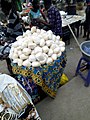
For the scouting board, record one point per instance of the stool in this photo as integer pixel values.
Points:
(81, 66)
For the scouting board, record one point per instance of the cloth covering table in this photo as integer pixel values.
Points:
(45, 76)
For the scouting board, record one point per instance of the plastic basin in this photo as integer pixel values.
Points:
(85, 49)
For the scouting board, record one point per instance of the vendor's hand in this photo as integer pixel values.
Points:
(41, 21)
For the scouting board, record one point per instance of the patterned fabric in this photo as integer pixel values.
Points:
(46, 76)
(87, 1)
(20, 105)
(23, 75)
(54, 18)
(14, 28)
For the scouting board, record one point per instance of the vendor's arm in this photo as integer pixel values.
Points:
(44, 22)
(43, 15)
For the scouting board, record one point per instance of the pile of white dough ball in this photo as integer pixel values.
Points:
(36, 47)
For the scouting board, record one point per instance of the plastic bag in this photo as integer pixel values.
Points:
(64, 79)
(17, 98)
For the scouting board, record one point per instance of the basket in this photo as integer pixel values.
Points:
(85, 49)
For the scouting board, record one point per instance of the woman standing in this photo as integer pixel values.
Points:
(54, 18)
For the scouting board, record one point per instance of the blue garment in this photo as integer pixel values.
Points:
(87, 1)
(54, 18)
(88, 18)
(33, 15)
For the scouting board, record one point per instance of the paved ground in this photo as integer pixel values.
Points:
(72, 100)
(71, 103)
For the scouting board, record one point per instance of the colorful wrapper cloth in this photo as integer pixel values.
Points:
(45, 76)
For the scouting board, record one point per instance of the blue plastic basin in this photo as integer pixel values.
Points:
(85, 49)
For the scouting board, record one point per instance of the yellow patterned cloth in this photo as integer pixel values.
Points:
(45, 76)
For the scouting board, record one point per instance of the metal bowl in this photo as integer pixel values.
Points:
(85, 49)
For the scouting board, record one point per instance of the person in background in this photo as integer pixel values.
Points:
(87, 1)
(14, 27)
(54, 18)
(87, 21)
(36, 13)
(88, 18)
(79, 0)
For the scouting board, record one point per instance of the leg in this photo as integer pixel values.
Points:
(84, 27)
(78, 67)
(87, 79)
(8, 61)
(88, 35)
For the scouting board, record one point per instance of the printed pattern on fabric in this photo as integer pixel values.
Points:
(54, 18)
(46, 76)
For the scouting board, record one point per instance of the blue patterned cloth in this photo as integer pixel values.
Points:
(45, 76)
(54, 18)
(87, 1)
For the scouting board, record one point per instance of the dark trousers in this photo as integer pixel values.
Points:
(87, 22)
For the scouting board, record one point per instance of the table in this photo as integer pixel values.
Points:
(70, 20)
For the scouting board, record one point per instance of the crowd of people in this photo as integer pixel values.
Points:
(44, 16)
(37, 18)
(52, 21)
(14, 28)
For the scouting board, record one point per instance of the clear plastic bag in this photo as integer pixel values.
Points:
(17, 98)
